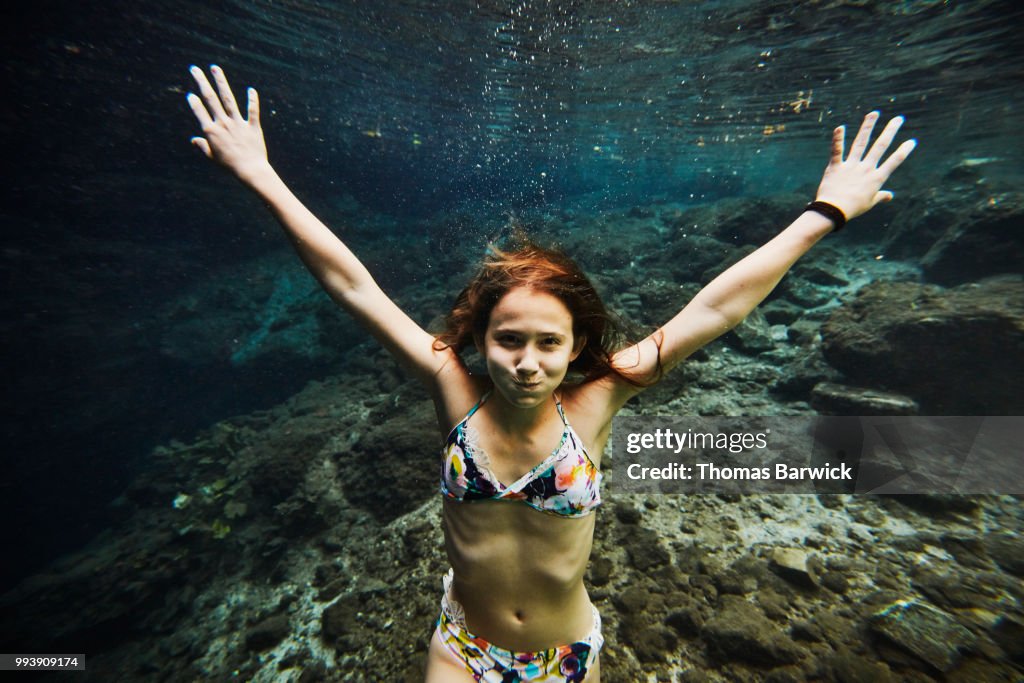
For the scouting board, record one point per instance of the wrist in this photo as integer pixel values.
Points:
(829, 211)
(258, 177)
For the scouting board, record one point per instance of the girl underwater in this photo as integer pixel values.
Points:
(514, 606)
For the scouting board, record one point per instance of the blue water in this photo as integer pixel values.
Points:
(424, 124)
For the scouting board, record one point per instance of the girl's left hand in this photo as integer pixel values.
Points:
(855, 185)
(228, 138)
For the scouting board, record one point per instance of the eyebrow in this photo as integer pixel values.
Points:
(513, 330)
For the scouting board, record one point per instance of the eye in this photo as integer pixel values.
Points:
(551, 341)
(508, 339)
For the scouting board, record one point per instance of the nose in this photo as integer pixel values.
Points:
(527, 364)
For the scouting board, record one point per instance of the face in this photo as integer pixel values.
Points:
(528, 346)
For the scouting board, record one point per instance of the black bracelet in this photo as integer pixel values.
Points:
(833, 213)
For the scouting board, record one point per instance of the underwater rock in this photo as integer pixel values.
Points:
(781, 312)
(332, 589)
(267, 633)
(752, 334)
(610, 242)
(654, 643)
(921, 219)
(926, 632)
(786, 674)
(1007, 550)
(803, 332)
(632, 601)
(644, 549)
(403, 442)
(343, 623)
(661, 299)
(949, 591)
(848, 667)
(835, 582)
(816, 273)
(985, 242)
(807, 631)
(313, 670)
(795, 566)
(627, 514)
(272, 323)
(599, 573)
(686, 621)
(969, 551)
(776, 606)
(696, 258)
(836, 628)
(740, 631)
(838, 399)
(634, 608)
(120, 584)
(279, 461)
(1008, 633)
(630, 303)
(969, 169)
(801, 375)
(956, 352)
(734, 582)
(748, 220)
(689, 558)
(804, 293)
(939, 504)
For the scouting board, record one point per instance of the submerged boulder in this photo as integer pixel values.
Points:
(403, 440)
(839, 399)
(796, 566)
(926, 632)
(752, 334)
(740, 631)
(955, 351)
(985, 241)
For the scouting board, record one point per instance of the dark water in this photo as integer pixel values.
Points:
(419, 123)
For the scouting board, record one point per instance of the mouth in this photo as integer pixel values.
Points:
(527, 385)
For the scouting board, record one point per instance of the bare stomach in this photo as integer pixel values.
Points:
(519, 573)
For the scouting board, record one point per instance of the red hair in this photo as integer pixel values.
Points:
(548, 270)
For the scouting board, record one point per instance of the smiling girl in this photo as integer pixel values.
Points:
(520, 474)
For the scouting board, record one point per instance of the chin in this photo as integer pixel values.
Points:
(532, 400)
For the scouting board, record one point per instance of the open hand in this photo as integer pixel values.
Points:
(231, 140)
(855, 185)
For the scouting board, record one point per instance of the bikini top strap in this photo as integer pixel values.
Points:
(478, 404)
(561, 412)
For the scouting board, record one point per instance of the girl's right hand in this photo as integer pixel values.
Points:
(231, 140)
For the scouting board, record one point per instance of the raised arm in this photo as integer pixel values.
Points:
(852, 185)
(237, 143)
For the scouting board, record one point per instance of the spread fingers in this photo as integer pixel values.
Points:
(897, 157)
(202, 116)
(226, 96)
(254, 107)
(860, 143)
(878, 149)
(216, 109)
(838, 143)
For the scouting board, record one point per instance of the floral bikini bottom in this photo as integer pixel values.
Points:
(493, 664)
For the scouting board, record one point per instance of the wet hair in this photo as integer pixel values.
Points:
(545, 269)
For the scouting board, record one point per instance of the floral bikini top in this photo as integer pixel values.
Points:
(566, 483)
